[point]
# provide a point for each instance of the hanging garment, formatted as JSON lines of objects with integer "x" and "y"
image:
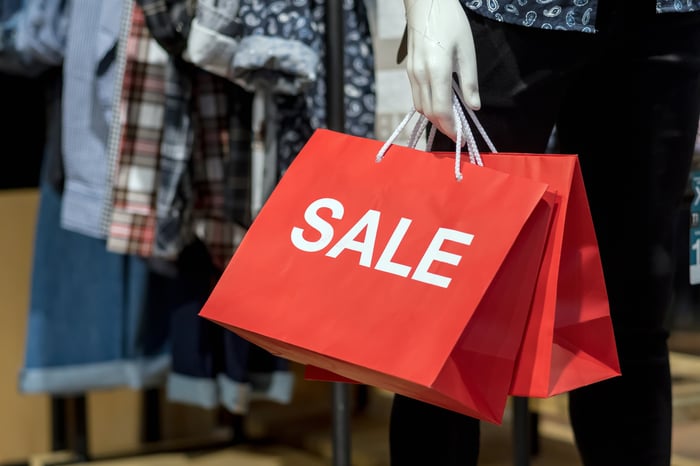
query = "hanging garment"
{"x": 32, "y": 35}
{"x": 32, "y": 45}
{"x": 96, "y": 319}
{"x": 221, "y": 159}
{"x": 174, "y": 195}
{"x": 221, "y": 369}
{"x": 213, "y": 367}
{"x": 210, "y": 366}
{"x": 278, "y": 48}
{"x": 272, "y": 46}
{"x": 142, "y": 101}
{"x": 205, "y": 117}
{"x": 85, "y": 313}
{"x": 205, "y": 156}
{"x": 169, "y": 22}
{"x": 165, "y": 123}
{"x": 203, "y": 192}
{"x": 88, "y": 88}
{"x": 296, "y": 119}
{"x": 243, "y": 372}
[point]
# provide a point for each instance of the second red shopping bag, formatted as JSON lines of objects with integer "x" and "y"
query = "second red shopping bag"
{"x": 392, "y": 273}
{"x": 569, "y": 340}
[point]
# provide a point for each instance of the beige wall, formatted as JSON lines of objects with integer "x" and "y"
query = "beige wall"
{"x": 393, "y": 88}
{"x": 23, "y": 419}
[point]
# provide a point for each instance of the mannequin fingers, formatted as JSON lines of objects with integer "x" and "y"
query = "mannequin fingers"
{"x": 436, "y": 103}
{"x": 468, "y": 76}
{"x": 470, "y": 91}
{"x": 415, "y": 77}
{"x": 429, "y": 65}
{"x": 441, "y": 110}
{"x": 426, "y": 95}
{"x": 433, "y": 98}
{"x": 416, "y": 93}
{"x": 432, "y": 93}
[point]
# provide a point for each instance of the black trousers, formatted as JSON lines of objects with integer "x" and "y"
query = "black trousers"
{"x": 627, "y": 100}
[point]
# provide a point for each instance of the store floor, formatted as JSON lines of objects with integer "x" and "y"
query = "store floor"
{"x": 300, "y": 435}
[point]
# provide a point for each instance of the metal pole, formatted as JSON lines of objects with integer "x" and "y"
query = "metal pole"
{"x": 335, "y": 65}
{"x": 59, "y": 435}
{"x": 521, "y": 432}
{"x": 335, "y": 120}
{"x": 150, "y": 415}
{"x": 81, "y": 428}
{"x": 341, "y": 424}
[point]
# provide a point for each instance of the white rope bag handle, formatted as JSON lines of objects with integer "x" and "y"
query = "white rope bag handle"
{"x": 462, "y": 128}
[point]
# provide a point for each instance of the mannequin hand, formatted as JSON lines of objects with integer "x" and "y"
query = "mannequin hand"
{"x": 439, "y": 43}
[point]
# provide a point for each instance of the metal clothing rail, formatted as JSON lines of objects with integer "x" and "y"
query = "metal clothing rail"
{"x": 335, "y": 120}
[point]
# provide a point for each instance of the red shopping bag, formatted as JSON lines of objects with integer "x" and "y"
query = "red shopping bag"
{"x": 569, "y": 340}
{"x": 392, "y": 274}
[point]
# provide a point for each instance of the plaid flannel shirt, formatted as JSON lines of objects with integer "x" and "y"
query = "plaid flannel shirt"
{"x": 175, "y": 191}
{"x": 177, "y": 158}
{"x": 169, "y": 22}
{"x": 204, "y": 188}
{"x": 132, "y": 220}
{"x": 221, "y": 164}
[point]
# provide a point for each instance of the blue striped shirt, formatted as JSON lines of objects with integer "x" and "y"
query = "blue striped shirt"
{"x": 89, "y": 78}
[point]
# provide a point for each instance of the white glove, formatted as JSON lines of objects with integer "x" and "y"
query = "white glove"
{"x": 439, "y": 43}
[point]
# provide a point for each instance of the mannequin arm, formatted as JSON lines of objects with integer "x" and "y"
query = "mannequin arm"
{"x": 439, "y": 43}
